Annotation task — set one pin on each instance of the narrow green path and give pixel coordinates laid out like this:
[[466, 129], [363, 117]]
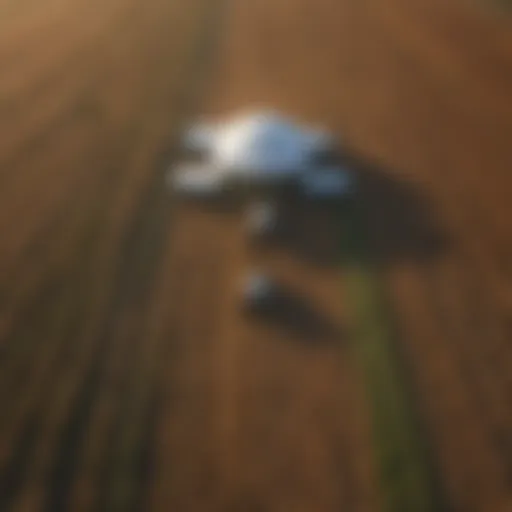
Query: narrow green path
[[407, 480]]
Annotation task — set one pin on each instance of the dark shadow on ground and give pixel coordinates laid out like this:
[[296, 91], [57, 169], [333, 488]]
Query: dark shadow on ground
[[308, 231], [395, 217], [297, 315]]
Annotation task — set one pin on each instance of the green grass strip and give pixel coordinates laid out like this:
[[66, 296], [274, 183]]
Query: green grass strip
[[408, 482]]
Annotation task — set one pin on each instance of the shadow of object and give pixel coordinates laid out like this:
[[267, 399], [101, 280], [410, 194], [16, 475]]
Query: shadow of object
[[297, 316], [397, 216], [394, 216], [225, 203], [308, 231]]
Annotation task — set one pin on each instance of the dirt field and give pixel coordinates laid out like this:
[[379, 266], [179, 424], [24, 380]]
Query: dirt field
[[90, 97], [129, 379]]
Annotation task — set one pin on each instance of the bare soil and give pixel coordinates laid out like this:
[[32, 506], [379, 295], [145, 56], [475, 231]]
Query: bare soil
[[130, 379]]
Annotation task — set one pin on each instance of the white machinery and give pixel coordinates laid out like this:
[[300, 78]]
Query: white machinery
[[261, 149]]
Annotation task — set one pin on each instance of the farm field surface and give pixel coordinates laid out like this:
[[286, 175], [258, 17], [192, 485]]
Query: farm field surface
[[129, 377]]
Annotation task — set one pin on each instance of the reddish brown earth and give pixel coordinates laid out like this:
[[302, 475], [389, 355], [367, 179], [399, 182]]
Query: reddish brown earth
[[130, 380]]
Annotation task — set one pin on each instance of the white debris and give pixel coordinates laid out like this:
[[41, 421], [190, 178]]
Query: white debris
[[258, 288], [263, 145], [259, 148], [197, 180], [326, 183], [261, 218]]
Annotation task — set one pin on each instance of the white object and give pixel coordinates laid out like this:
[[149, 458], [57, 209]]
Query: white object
[[261, 218], [258, 288], [264, 146], [258, 148], [326, 183], [197, 180]]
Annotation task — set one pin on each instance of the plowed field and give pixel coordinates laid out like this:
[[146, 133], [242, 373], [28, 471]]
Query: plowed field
[[130, 379]]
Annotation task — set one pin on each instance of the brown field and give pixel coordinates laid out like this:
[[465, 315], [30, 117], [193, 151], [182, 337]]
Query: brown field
[[129, 379]]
